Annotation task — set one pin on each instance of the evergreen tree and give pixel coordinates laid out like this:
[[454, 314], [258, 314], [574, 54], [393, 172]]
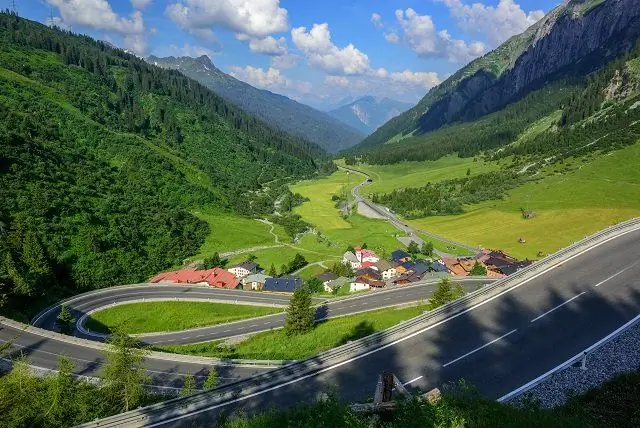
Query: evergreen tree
[[215, 261], [315, 285], [297, 263], [65, 320], [445, 293], [61, 393], [123, 375], [300, 313], [413, 249], [427, 248], [189, 385], [272, 271], [212, 379], [478, 269]]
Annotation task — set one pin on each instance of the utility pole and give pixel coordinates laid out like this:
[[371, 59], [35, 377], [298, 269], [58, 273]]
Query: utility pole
[[14, 6]]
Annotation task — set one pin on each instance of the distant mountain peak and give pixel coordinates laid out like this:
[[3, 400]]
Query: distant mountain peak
[[205, 61], [368, 112]]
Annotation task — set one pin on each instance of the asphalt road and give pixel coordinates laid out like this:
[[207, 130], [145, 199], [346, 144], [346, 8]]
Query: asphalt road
[[498, 346], [359, 303]]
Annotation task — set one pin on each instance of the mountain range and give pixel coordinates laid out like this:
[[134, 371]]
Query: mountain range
[[524, 80], [276, 110], [368, 113]]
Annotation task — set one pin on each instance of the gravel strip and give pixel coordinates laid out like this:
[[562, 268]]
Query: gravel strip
[[622, 354]]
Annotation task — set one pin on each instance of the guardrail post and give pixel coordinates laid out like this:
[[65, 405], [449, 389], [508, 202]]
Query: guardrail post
[[583, 364]]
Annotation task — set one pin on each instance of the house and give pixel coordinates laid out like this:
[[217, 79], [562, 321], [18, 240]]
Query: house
[[363, 255], [362, 283], [255, 281], [459, 266], [386, 269], [285, 284], [438, 266], [369, 273], [368, 265], [243, 269], [216, 277], [414, 275], [351, 259], [400, 256], [514, 267], [326, 277], [335, 283]]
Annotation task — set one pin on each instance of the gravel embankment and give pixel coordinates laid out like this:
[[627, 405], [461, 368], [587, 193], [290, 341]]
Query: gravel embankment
[[619, 355]]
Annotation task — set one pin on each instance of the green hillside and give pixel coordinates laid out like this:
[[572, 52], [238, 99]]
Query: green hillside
[[103, 159]]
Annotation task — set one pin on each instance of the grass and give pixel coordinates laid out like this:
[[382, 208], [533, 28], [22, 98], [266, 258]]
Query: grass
[[386, 178], [275, 345], [569, 205], [153, 317]]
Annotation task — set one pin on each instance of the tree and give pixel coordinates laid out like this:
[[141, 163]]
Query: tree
[[413, 248], [468, 172], [283, 269], [123, 374], [300, 313], [315, 285], [215, 261], [61, 388], [189, 385], [272, 271], [297, 263], [65, 320], [350, 249], [252, 257], [478, 269], [445, 293], [341, 269], [427, 248], [212, 379], [364, 246]]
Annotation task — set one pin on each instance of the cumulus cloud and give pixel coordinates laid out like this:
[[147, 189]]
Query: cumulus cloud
[[56, 21], [255, 18], [269, 46], [376, 19], [316, 45], [271, 79], [193, 51], [418, 78], [99, 15], [285, 62], [422, 37], [498, 23], [140, 4], [337, 80], [392, 38]]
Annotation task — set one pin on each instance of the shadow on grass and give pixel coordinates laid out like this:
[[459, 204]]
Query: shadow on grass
[[362, 329]]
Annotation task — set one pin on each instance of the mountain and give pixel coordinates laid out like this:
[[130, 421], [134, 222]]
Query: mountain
[[368, 113], [277, 110], [547, 63], [104, 158]]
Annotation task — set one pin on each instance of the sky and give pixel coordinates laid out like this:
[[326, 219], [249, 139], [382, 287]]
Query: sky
[[316, 52]]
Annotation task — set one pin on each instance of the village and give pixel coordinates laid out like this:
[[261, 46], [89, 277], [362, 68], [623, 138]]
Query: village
[[360, 269]]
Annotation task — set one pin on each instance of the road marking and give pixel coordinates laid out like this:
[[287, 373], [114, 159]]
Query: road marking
[[388, 298], [412, 380], [253, 325], [615, 274], [557, 307], [269, 322], [187, 337], [481, 347], [224, 331]]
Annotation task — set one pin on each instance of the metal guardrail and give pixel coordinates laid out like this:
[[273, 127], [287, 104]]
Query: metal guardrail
[[198, 402]]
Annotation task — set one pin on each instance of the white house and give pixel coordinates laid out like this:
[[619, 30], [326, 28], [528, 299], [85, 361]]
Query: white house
[[255, 280], [243, 269], [386, 269], [351, 259], [358, 285], [364, 255], [329, 286]]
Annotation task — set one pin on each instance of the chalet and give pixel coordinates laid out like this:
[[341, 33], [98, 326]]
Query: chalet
[[365, 255], [255, 281], [244, 269], [459, 266], [400, 256], [438, 266], [386, 269], [335, 283], [351, 259], [361, 283], [514, 267], [326, 277], [414, 275], [216, 277], [286, 284], [369, 273]]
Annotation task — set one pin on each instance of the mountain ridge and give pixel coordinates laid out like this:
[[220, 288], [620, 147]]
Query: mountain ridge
[[275, 109], [368, 112]]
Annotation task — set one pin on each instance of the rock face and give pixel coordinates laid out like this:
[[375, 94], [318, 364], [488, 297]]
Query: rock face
[[368, 113], [573, 39], [276, 110]]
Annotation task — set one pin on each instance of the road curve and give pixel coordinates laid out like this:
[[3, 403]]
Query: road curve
[[497, 344]]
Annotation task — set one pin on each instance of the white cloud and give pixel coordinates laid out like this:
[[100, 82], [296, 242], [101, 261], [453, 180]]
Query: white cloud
[[498, 23], [337, 80], [255, 18], [190, 50], [269, 46], [140, 4], [98, 14], [56, 21], [285, 62], [392, 38], [376, 19], [271, 79], [418, 78], [316, 45], [421, 35]]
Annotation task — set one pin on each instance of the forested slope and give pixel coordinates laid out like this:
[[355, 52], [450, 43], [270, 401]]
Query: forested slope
[[102, 156]]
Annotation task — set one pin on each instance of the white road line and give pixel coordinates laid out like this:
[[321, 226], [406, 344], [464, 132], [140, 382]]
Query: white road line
[[615, 274], [388, 298], [253, 325], [269, 322], [412, 380], [224, 331], [482, 347], [187, 337], [557, 307]]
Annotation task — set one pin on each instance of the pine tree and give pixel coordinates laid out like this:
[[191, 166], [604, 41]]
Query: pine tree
[[212, 379], [272, 271], [445, 293], [65, 319], [189, 385], [61, 393], [427, 248], [413, 248], [300, 313], [478, 269]]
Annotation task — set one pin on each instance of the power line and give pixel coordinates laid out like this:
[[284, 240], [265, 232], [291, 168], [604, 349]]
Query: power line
[[14, 6]]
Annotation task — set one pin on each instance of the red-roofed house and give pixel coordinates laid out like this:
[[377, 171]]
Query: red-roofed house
[[364, 255], [216, 277]]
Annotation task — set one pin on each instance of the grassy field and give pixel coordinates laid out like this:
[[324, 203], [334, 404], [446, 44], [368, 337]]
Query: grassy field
[[569, 205], [151, 317], [416, 174], [329, 334]]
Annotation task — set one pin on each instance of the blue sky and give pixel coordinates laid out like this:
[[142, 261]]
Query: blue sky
[[317, 52]]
